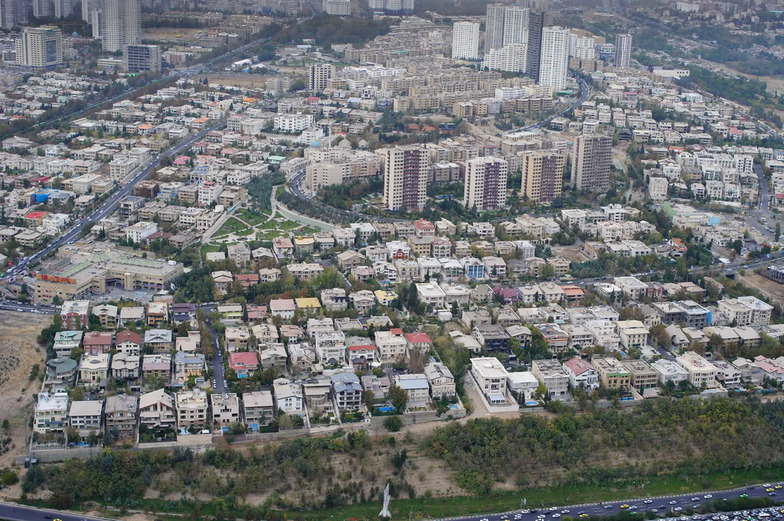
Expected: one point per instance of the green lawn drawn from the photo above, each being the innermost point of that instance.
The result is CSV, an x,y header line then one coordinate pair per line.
x,y
251,217
231,225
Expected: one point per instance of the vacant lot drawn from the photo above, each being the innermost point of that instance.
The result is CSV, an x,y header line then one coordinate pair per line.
x,y
245,81
18,354
767,287
171,34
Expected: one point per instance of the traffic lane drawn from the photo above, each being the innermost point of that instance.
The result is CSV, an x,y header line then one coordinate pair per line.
x,y
661,504
24,513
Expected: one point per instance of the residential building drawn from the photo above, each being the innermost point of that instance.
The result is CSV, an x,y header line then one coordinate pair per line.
x,y
121,24
490,376
485,183
623,50
120,413
40,47
465,41
319,76
51,412
406,170
93,370
669,371
542,176
416,387
442,383
192,409
612,373
552,375
288,396
225,408
347,390
701,372
581,374
86,416
142,58
554,64
258,409
643,376
156,410
591,162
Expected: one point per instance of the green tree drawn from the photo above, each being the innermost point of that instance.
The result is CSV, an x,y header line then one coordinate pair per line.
x,y
393,423
398,397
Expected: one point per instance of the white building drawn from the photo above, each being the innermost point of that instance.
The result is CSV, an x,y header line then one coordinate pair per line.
x,y
491,378
623,50
485,183
554,63
465,41
701,372
121,24
40,47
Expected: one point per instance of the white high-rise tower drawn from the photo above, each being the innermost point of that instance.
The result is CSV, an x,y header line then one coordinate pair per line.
x,y
121,24
623,50
554,62
465,41
516,25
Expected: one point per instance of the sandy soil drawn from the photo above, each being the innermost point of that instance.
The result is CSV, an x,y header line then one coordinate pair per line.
x,y
171,34
249,81
772,289
18,353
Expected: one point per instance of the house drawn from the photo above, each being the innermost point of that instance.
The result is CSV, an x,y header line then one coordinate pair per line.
x,y
225,408
191,409
97,342
157,314
288,396
74,314
318,395
522,385
347,390
120,413
131,314
223,281
51,412
349,259
236,338
553,376
187,366
258,409
581,373
493,337
94,370
669,371
643,376
273,355
66,341
441,381
244,364
126,367
284,308
490,377
701,372
156,410
633,334
431,294
128,342
362,355
364,300
612,373
107,315
416,387
61,371
156,369
556,338
86,416
334,299
158,340
391,346
418,342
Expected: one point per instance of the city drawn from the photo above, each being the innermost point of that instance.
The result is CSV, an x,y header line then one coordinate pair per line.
x,y
488,261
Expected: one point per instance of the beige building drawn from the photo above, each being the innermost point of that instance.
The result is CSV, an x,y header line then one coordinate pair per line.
x,y
612,373
542,178
485,183
225,408
192,408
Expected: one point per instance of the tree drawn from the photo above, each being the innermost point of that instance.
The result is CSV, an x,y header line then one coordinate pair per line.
x,y
393,423
398,397
778,231
368,399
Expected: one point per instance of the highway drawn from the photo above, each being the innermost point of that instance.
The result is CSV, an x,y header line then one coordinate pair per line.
x,y
12,512
657,504
111,203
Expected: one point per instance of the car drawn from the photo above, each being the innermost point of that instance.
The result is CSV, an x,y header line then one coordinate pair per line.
x,y
607,507
778,487
485,519
583,515
648,501
769,489
624,506
565,511
518,516
556,515
673,502
695,499
677,509
525,511
744,495
707,496
771,493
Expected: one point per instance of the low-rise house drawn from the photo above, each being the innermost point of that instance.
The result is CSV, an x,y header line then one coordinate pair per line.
x,y
258,409
107,315
552,375
391,346
361,355
187,366
334,299
284,308
728,375
86,416
581,374
347,390
273,355
364,300
244,364
418,342
97,342
51,412
192,409
612,373
61,372
225,408
236,338
156,410
491,378
158,341
66,341
701,372
128,342
416,387
441,380
126,367
522,385
94,370
156,370
669,371
643,376
288,396
493,337
121,414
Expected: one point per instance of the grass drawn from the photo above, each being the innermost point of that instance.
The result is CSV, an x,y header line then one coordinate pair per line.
x,y
231,225
251,217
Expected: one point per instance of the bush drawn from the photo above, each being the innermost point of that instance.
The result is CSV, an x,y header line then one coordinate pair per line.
x,y
393,423
9,478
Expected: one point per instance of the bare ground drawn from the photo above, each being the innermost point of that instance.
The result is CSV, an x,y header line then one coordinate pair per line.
x,y
767,287
248,81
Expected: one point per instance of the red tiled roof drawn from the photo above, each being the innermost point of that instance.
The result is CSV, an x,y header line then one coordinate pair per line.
x,y
418,338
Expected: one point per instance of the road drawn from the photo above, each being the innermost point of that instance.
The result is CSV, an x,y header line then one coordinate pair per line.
x,y
585,94
678,503
111,203
12,512
218,373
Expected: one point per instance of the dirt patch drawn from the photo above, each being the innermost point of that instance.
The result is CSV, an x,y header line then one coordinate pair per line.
x,y
246,81
18,354
172,34
767,287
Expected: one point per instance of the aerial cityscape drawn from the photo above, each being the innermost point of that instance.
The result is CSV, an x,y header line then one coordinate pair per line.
x,y
391,259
